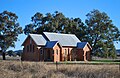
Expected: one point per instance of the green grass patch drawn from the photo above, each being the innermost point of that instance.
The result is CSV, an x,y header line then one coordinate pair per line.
x,y
93,62
106,60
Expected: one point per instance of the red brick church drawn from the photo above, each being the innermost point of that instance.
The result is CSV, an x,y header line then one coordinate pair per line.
x,y
55,47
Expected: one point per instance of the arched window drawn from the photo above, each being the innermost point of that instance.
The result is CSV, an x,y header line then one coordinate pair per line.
x,y
57,51
30,47
27,48
52,51
33,48
65,52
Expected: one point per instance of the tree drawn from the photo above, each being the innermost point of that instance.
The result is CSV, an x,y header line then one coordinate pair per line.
x,y
77,27
9,30
56,22
49,23
101,33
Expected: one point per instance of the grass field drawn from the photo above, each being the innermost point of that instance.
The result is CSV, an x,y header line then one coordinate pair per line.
x,y
17,69
100,68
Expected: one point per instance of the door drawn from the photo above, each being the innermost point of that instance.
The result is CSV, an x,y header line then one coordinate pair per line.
x,y
41,54
48,55
88,56
68,54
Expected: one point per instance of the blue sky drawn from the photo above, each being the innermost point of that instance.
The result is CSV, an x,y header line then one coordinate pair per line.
x,y
25,9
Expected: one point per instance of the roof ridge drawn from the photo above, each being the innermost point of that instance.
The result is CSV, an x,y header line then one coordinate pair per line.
x,y
82,42
58,33
35,34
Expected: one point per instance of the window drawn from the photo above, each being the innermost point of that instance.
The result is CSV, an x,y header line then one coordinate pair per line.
x,y
52,51
27,48
65,52
30,47
57,51
41,51
33,48
30,40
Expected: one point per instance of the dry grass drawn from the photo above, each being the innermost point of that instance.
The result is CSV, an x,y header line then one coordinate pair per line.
x,y
16,69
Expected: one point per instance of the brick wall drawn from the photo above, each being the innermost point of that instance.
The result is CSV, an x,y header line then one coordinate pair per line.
x,y
30,55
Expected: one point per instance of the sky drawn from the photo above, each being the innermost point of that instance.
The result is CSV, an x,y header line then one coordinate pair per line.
x,y
25,9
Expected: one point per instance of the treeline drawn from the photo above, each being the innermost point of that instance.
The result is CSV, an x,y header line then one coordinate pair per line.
x,y
97,29
12,53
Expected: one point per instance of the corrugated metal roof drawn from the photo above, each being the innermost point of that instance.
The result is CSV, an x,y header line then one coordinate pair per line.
x,y
81,45
39,39
64,39
50,44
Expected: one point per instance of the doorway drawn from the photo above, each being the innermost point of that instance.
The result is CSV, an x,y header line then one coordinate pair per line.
x,y
48,55
68,54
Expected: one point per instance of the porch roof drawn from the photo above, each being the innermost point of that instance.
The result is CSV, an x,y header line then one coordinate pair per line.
x,y
81,45
51,44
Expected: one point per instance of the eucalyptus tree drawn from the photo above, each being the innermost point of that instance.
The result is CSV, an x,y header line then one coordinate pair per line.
x,y
9,30
101,33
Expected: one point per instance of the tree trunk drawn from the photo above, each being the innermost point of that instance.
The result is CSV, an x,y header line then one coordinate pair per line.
x,y
94,44
3,54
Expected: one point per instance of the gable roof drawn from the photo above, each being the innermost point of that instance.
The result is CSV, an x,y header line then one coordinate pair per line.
x,y
81,45
64,39
38,39
51,44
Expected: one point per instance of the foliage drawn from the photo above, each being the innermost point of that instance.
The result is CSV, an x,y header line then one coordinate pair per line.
x,y
9,30
101,33
55,22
